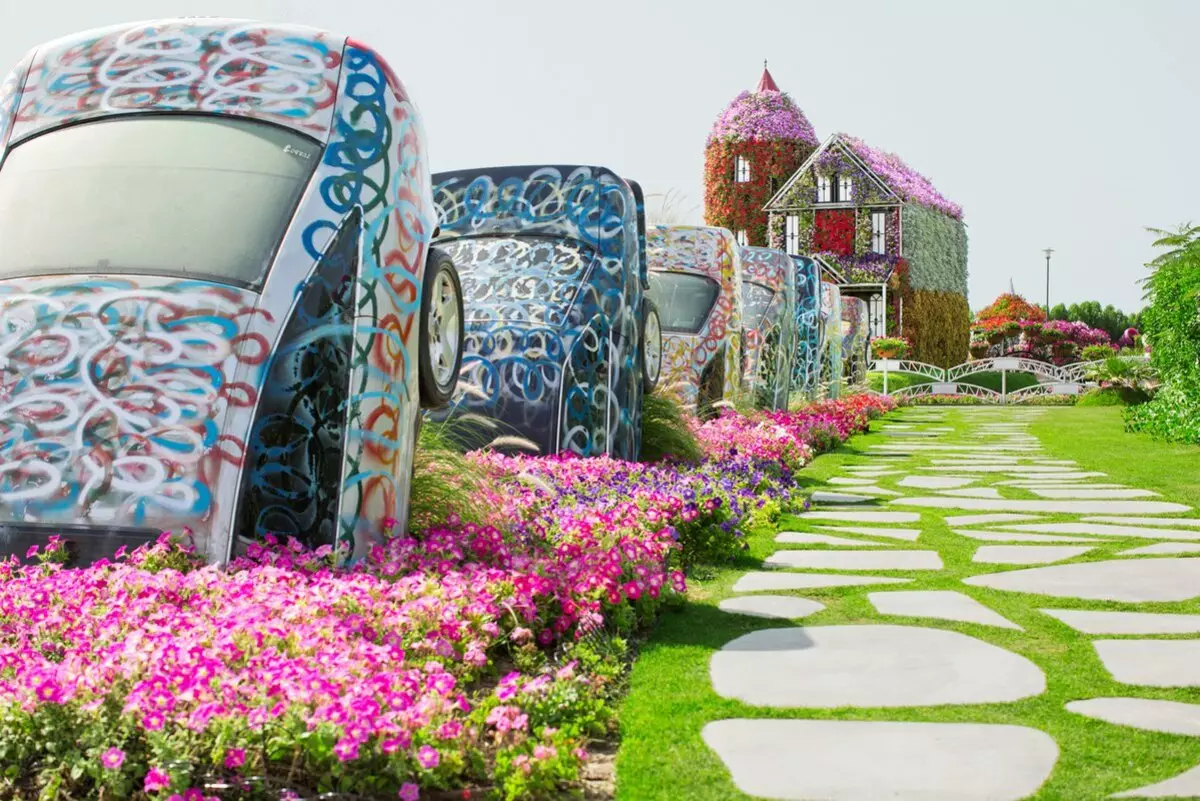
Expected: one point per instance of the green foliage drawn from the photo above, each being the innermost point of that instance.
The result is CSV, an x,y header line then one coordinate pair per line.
x,y
935,246
1100,397
1107,318
1171,324
444,480
938,324
1093,353
1132,379
665,431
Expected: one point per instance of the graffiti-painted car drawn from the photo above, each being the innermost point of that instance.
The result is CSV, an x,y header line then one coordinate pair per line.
x,y
855,339
831,339
769,306
561,340
219,307
806,363
695,281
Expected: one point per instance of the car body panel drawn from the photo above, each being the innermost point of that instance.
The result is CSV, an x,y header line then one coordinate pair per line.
x,y
831,339
806,364
714,254
373,168
551,261
770,331
855,336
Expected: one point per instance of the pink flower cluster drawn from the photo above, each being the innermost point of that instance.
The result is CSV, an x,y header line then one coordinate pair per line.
x,y
763,116
910,184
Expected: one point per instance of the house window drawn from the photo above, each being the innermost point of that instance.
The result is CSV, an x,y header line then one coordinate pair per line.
x,y
845,188
741,238
741,170
879,231
824,189
792,238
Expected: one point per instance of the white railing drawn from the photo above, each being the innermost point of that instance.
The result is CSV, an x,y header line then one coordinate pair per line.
x,y
1069,379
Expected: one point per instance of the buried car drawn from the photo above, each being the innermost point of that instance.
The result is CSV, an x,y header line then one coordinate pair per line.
x,y
769,306
806,362
831,340
855,339
219,306
696,283
561,340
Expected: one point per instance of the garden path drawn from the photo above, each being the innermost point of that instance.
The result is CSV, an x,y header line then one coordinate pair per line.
x,y
1019,508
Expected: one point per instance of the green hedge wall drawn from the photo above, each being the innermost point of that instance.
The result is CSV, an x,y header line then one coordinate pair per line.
x,y
935,246
938,324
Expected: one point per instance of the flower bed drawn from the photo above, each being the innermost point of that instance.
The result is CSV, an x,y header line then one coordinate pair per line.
x,y
478,659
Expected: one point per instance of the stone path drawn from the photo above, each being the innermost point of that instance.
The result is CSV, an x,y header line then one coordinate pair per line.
x,y
931,648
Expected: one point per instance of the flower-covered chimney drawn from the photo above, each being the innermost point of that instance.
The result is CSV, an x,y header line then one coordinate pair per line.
x,y
759,140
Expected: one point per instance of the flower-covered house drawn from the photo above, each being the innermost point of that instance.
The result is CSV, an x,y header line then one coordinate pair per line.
x,y
899,243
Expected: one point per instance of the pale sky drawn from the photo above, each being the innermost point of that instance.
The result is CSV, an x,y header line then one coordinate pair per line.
x,y
1070,125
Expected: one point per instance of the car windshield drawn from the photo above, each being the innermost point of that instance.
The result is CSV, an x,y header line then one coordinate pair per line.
x,y
189,196
756,299
684,300
527,279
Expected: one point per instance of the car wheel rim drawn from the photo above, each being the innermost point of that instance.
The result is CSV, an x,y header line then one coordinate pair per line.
x,y
444,330
653,347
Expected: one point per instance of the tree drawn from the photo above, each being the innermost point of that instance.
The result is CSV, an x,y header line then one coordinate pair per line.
x,y
1107,318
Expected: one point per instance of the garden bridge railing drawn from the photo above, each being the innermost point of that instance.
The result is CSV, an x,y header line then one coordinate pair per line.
x,y
1068,379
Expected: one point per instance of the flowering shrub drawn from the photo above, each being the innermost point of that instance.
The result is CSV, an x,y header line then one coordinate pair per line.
x,y
906,181
469,655
759,116
889,347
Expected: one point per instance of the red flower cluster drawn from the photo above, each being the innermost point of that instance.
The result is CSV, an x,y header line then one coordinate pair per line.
x,y
833,232
739,206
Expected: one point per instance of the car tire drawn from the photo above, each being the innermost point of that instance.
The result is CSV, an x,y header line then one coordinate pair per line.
x,y
652,347
440,341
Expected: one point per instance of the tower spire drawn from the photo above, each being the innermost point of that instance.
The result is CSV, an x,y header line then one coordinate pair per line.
x,y
766,83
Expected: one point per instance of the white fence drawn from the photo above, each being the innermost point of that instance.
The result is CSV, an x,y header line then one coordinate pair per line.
x,y
1069,379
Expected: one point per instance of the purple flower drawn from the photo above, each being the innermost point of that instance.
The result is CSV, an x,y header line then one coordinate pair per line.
x,y
759,116
113,758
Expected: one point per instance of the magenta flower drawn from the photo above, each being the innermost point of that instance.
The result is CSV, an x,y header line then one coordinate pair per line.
x,y
113,758
157,780
235,758
409,792
428,757
346,750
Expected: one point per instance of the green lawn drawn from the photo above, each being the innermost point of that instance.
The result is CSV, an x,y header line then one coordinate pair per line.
x,y
663,757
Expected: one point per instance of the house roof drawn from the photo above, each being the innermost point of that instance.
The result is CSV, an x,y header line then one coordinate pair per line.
x,y
888,171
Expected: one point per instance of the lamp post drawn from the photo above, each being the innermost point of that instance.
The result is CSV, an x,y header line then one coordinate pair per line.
x,y
1048,251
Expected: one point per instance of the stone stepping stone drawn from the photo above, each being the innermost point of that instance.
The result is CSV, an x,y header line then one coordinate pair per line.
x,y
897,425
1185,785
1169,522
856,560
851,482
891,433
1169,717
1016,470
987,535
1026,554
973,520
909,534
936,482
823,496
993,460
873,473
940,604
862,517
808,538
972,492
1163,548
1057,507
774,581
869,666
1135,580
1084,493
851,760
1105,530
1067,462
871,489
1056,484
1062,477
1152,663
787,607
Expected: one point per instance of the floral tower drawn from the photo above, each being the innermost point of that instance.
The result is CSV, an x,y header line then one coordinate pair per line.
x,y
757,143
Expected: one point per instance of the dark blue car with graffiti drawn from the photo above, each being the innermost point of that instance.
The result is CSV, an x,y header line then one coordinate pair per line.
x,y
560,339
